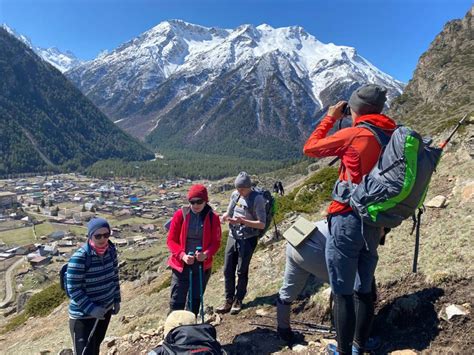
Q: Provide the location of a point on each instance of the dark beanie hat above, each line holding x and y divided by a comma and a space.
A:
243, 180
368, 99
95, 224
198, 191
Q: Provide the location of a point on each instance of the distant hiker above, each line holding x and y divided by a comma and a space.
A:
301, 262
184, 336
93, 287
246, 215
351, 249
276, 189
192, 226
281, 191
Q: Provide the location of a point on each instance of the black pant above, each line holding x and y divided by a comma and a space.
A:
238, 254
81, 330
180, 288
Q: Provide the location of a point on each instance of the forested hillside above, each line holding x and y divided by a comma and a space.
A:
46, 123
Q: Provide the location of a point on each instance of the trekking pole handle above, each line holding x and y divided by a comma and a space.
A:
443, 145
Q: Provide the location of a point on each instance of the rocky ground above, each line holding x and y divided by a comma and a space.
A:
414, 311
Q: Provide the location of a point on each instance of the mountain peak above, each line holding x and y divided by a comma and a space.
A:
61, 60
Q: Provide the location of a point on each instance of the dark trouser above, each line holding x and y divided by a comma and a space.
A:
180, 288
352, 259
238, 254
81, 330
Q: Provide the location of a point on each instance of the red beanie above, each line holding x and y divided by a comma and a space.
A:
198, 191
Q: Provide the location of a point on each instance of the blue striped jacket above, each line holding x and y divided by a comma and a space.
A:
98, 286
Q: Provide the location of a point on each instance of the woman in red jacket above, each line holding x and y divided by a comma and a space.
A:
193, 226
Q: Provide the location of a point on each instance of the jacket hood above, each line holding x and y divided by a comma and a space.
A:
377, 119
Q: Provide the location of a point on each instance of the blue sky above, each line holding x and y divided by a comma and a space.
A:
392, 34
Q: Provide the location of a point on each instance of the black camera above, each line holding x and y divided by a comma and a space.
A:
346, 110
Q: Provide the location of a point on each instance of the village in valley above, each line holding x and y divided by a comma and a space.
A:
43, 221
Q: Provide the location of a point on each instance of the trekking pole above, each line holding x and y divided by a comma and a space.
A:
190, 294
442, 145
90, 335
308, 324
301, 330
201, 290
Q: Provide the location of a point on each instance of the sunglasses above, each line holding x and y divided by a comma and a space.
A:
100, 236
196, 202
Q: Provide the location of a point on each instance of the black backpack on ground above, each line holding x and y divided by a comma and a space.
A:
190, 339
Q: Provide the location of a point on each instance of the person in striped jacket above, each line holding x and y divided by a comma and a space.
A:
93, 287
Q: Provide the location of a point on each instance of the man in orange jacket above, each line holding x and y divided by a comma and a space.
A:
351, 248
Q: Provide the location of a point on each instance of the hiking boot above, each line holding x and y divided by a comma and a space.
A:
225, 308
372, 344
236, 307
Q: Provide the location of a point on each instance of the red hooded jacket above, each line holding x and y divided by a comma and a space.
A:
178, 234
357, 148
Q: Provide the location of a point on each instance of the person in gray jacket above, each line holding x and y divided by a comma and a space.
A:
246, 217
307, 259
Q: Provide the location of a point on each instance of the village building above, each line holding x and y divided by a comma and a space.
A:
57, 235
40, 261
7, 199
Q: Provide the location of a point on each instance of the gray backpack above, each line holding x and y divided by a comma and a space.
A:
396, 187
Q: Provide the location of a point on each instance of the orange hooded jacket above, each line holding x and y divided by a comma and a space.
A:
357, 148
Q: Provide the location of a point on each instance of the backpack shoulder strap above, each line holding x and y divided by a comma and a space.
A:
234, 203
113, 250
379, 134
253, 195
87, 255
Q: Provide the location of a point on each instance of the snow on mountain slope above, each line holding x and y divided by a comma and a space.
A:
63, 61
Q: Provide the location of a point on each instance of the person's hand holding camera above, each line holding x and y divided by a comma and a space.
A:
336, 111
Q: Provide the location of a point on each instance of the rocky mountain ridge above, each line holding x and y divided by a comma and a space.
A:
241, 90
441, 90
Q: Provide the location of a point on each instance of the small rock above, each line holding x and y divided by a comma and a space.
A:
112, 351
404, 352
110, 341
437, 202
9, 311
298, 348
149, 332
261, 312
136, 337
217, 320
66, 352
325, 342
45, 352
454, 310
468, 192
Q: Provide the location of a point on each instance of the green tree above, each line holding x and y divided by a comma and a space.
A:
43, 204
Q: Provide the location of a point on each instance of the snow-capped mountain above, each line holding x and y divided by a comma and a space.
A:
62, 61
180, 83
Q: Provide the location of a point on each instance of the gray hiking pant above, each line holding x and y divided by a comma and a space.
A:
301, 262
